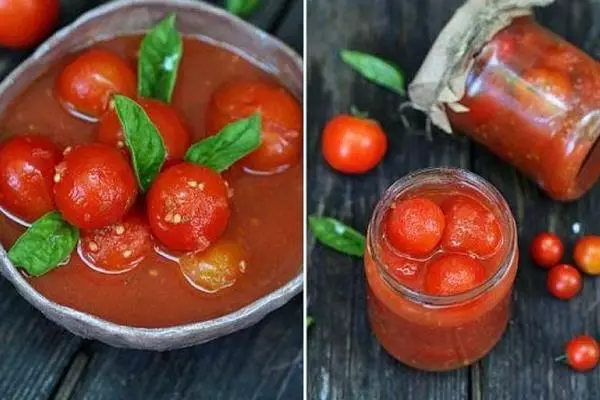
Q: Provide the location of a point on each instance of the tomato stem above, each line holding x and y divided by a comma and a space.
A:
356, 112
561, 358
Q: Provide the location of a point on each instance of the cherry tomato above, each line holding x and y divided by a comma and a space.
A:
470, 227
353, 145
85, 87
26, 22
26, 172
281, 122
564, 281
94, 186
165, 118
587, 254
546, 250
119, 247
543, 91
216, 268
415, 226
188, 207
582, 353
453, 274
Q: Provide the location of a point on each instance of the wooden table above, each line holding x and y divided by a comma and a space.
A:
39, 360
344, 359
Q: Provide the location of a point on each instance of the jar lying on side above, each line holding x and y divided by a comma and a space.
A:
444, 303
534, 100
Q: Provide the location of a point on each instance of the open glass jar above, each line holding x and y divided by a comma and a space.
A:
438, 332
534, 100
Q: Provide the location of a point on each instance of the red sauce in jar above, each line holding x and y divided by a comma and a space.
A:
533, 100
421, 321
266, 211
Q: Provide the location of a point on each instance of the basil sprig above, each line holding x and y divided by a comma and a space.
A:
143, 140
334, 234
241, 7
45, 245
235, 141
375, 69
158, 63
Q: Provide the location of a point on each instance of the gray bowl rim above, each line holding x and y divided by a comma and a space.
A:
150, 338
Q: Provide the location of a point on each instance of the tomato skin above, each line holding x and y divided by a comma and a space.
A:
564, 281
587, 254
25, 22
216, 268
415, 226
546, 249
188, 207
543, 91
94, 186
353, 145
120, 247
582, 353
26, 176
86, 85
453, 274
470, 227
281, 122
165, 118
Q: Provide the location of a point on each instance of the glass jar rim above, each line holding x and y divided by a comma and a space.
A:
476, 182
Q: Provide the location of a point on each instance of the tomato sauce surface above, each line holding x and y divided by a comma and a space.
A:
266, 210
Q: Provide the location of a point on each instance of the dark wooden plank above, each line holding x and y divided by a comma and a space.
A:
345, 361
522, 366
38, 360
290, 27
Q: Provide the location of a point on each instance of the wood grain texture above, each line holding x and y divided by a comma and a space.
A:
344, 359
39, 360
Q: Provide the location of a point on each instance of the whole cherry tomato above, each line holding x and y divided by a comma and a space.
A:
85, 87
415, 226
546, 250
470, 227
453, 274
26, 22
188, 207
281, 122
94, 186
119, 247
26, 173
216, 268
582, 353
587, 254
353, 145
165, 118
564, 281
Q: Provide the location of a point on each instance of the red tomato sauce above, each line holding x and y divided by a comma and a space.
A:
533, 101
426, 330
266, 211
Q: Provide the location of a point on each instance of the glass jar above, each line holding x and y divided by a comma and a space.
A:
439, 333
534, 100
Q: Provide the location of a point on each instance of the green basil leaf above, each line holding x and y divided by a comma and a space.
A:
235, 141
242, 7
160, 54
310, 321
45, 245
143, 140
375, 69
334, 234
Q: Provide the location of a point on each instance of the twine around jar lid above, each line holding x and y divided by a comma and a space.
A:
441, 79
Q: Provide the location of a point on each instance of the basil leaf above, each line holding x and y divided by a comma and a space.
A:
242, 7
338, 236
145, 143
375, 69
160, 54
46, 244
310, 321
235, 141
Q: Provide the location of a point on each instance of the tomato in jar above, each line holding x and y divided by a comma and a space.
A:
532, 99
446, 308
281, 114
26, 176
